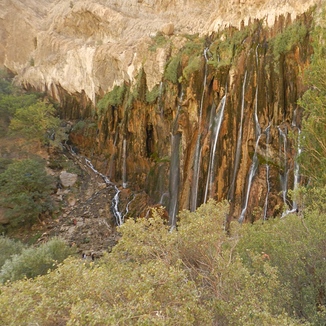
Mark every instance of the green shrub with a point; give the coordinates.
(151, 96)
(113, 98)
(192, 276)
(25, 190)
(35, 121)
(284, 41)
(32, 262)
(194, 64)
(158, 41)
(171, 70)
(9, 248)
(296, 246)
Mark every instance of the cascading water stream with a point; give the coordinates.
(197, 157)
(115, 201)
(127, 207)
(267, 132)
(297, 171)
(239, 141)
(284, 175)
(124, 163)
(174, 178)
(296, 178)
(254, 164)
(216, 126)
(252, 172)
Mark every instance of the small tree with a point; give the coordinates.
(35, 121)
(25, 189)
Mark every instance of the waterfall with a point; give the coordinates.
(254, 164)
(296, 177)
(239, 140)
(284, 175)
(174, 179)
(197, 157)
(297, 171)
(252, 172)
(124, 163)
(195, 178)
(267, 193)
(267, 175)
(115, 201)
(216, 126)
(175, 121)
(127, 207)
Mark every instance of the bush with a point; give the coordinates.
(25, 190)
(9, 248)
(194, 64)
(292, 35)
(296, 246)
(171, 70)
(192, 276)
(113, 98)
(34, 121)
(158, 41)
(32, 262)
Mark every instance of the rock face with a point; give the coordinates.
(88, 46)
(189, 117)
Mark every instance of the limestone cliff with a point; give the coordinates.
(90, 46)
(202, 94)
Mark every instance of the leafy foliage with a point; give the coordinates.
(192, 276)
(171, 70)
(225, 48)
(9, 248)
(158, 41)
(292, 35)
(151, 96)
(11, 99)
(313, 136)
(194, 64)
(25, 190)
(296, 247)
(35, 121)
(31, 262)
(5, 84)
(113, 98)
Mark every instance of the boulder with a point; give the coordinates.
(68, 179)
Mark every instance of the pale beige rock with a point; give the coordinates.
(88, 45)
(68, 179)
(168, 29)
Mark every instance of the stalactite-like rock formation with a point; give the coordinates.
(182, 116)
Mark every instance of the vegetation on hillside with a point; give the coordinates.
(25, 190)
(25, 187)
(271, 273)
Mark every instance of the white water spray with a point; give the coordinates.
(216, 126)
(197, 157)
(239, 140)
(124, 163)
